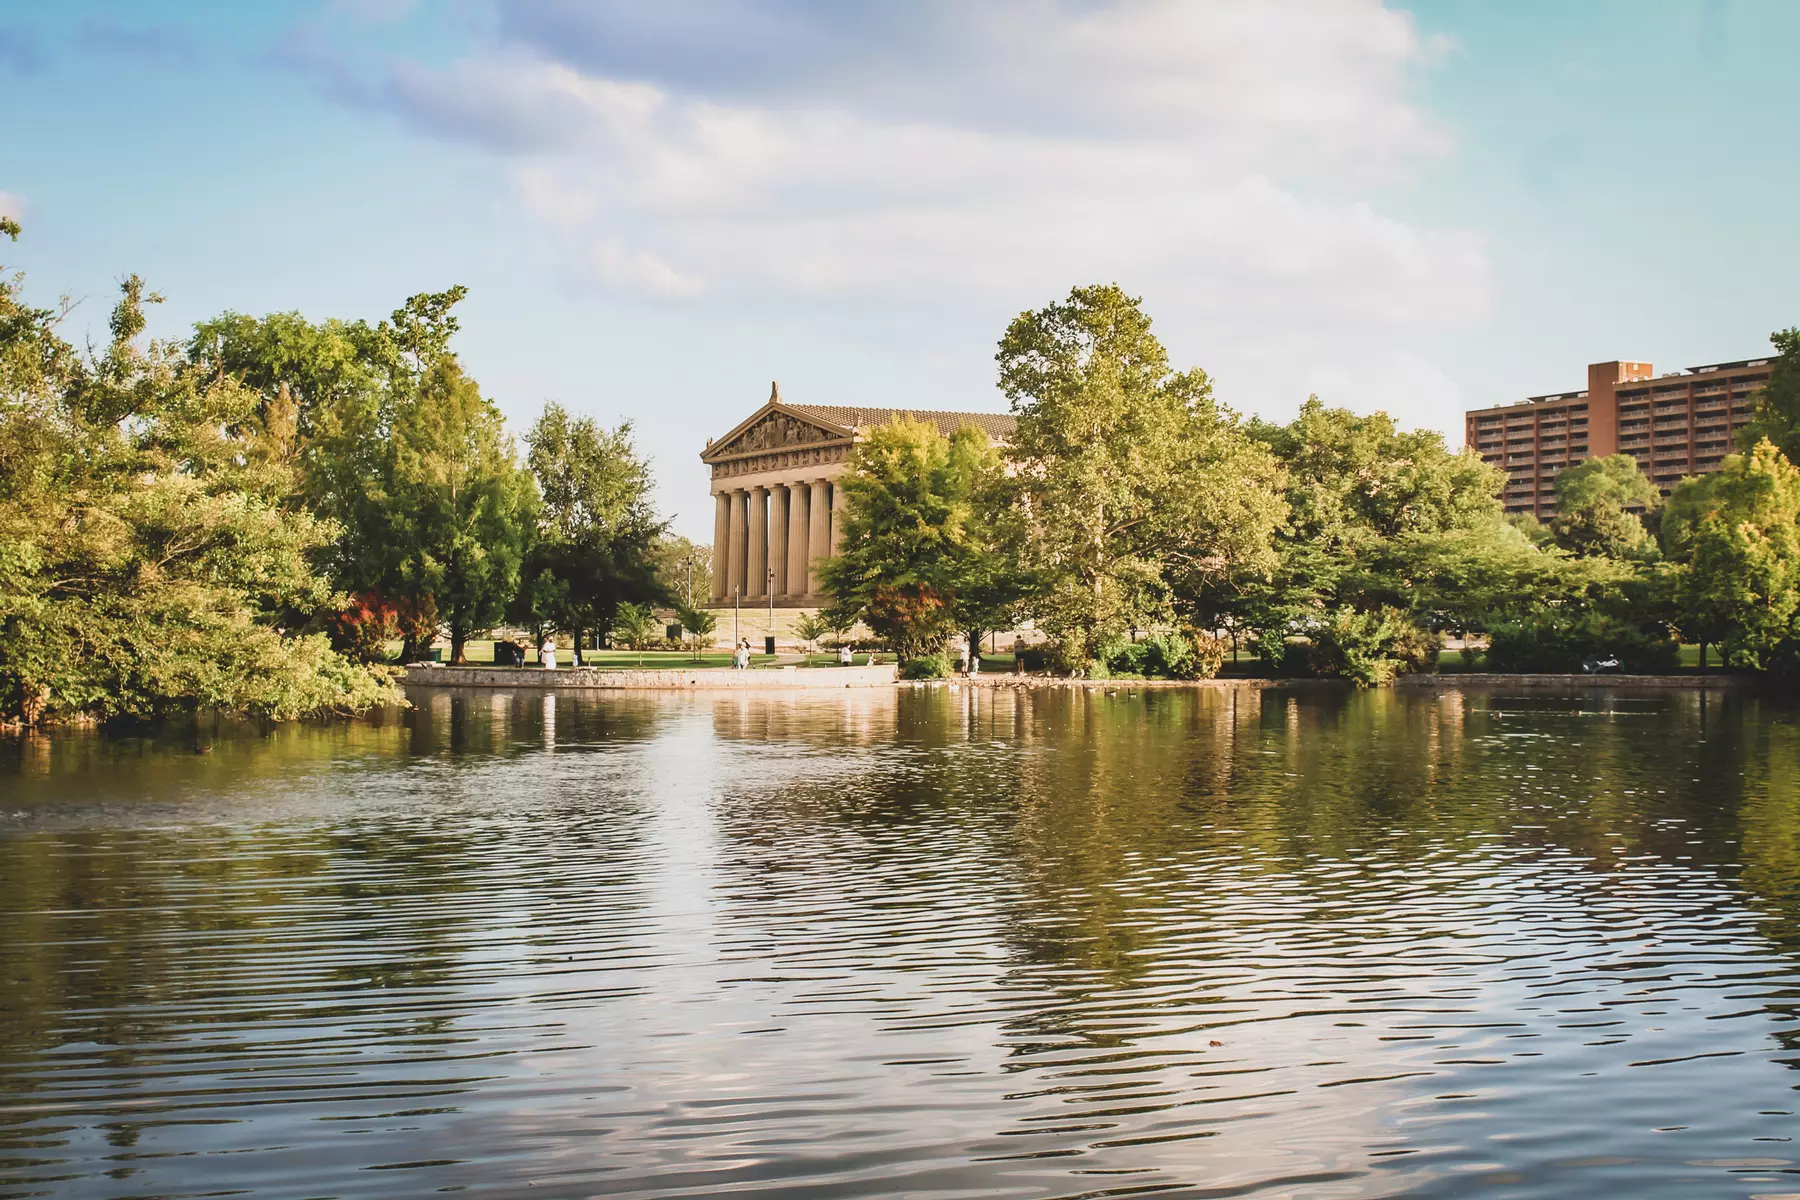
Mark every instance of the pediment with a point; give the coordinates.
(775, 427)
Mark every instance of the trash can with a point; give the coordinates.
(769, 645)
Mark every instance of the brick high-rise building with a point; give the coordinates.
(1675, 425)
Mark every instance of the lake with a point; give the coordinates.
(930, 943)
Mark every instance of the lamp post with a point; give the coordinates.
(770, 584)
(736, 605)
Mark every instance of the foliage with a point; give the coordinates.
(364, 628)
(683, 567)
(935, 665)
(1136, 487)
(1558, 641)
(698, 622)
(1370, 647)
(810, 627)
(1594, 503)
(597, 539)
(635, 625)
(1371, 510)
(1169, 655)
(460, 508)
(150, 562)
(1777, 415)
(1741, 584)
(919, 559)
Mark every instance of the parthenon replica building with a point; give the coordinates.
(776, 512)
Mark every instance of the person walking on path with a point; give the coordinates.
(843, 656)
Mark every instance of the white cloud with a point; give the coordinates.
(12, 205)
(1000, 149)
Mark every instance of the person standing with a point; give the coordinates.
(547, 653)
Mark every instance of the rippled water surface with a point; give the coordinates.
(933, 944)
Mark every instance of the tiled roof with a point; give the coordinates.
(998, 426)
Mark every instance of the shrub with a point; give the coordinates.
(1370, 648)
(1190, 655)
(1033, 658)
(926, 666)
(1561, 642)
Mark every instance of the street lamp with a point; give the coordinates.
(771, 586)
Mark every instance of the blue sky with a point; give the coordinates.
(660, 207)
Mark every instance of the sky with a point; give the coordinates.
(658, 208)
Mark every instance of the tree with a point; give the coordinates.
(916, 560)
(459, 509)
(597, 537)
(1741, 587)
(1777, 415)
(683, 567)
(698, 622)
(150, 563)
(1135, 485)
(811, 627)
(634, 624)
(1595, 499)
(1372, 511)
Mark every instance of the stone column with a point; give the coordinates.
(778, 535)
(721, 558)
(797, 539)
(757, 571)
(819, 541)
(734, 584)
(837, 520)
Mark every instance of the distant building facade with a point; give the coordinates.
(1675, 425)
(776, 510)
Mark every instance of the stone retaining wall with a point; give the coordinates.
(666, 679)
(1475, 679)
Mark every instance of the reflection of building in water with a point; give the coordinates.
(776, 508)
(549, 708)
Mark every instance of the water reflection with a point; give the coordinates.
(959, 942)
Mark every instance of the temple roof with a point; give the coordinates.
(998, 426)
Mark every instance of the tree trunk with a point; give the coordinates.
(575, 635)
(459, 637)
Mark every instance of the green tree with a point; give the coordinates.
(1595, 503)
(810, 627)
(1777, 415)
(1741, 587)
(597, 539)
(917, 559)
(150, 563)
(634, 624)
(699, 624)
(683, 567)
(1372, 512)
(1136, 486)
(459, 509)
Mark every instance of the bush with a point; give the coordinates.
(1556, 642)
(1033, 658)
(1370, 648)
(926, 666)
(1190, 655)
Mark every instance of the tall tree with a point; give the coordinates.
(597, 536)
(1741, 584)
(919, 558)
(1357, 488)
(459, 510)
(1777, 416)
(1597, 506)
(1131, 475)
(149, 561)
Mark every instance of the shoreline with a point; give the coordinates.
(785, 679)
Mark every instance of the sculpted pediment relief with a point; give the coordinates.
(776, 431)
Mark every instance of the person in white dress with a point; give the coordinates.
(547, 653)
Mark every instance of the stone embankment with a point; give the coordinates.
(664, 679)
(1597, 682)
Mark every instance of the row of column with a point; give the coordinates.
(771, 537)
